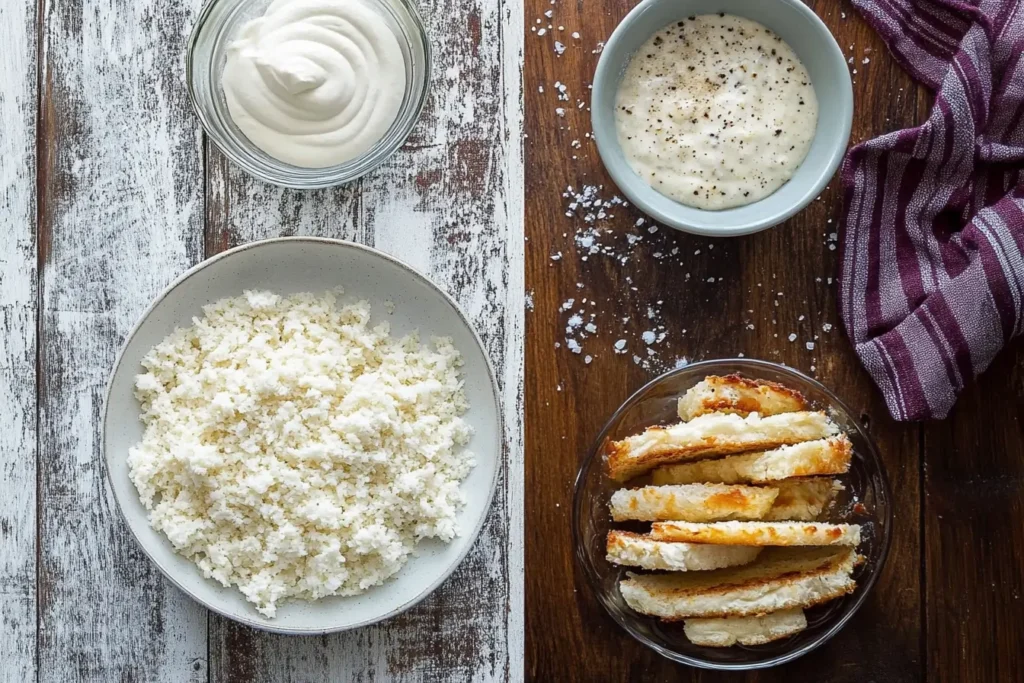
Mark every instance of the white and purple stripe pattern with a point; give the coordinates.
(932, 271)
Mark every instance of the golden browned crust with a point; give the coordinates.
(827, 565)
(839, 592)
(623, 466)
(790, 495)
(694, 502)
(763, 384)
(616, 538)
(765, 534)
(802, 499)
(754, 396)
(733, 499)
(833, 458)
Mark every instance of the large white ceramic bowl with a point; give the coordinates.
(297, 264)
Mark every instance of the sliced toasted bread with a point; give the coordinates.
(713, 434)
(821, 456)
(757, 533)
(635, 550)
(692, 502)
(723, 632)
(801, 499)
(737, 394)
(781, 578)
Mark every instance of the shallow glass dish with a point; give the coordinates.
(217, 26)
(655, 404)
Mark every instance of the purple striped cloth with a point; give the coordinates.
(931, 272)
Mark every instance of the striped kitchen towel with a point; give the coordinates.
(931, 271)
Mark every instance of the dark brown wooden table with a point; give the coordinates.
(950, 603)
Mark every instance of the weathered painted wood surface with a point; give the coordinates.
(450, 204)
(121, 192)
(17, 342)
(130, 194)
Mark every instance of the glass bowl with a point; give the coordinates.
(219, 23)
(655, 404)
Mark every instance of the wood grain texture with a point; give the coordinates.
(449, 203)
(974, 530)
(120, 180)
(716, 298)
(17, 341)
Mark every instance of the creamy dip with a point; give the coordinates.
(715, 111)
(315, 83)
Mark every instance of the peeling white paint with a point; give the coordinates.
(18, 450)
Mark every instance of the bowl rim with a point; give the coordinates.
(327, 176)
(472, 537)
(622, 173)
(864, 587)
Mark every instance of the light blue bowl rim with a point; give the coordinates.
(710, 223)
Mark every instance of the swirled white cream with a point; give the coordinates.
(715, 112)
(315, 83)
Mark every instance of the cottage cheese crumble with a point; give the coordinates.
(294, 451)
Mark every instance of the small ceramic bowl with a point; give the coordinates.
(217, 26)
(307, 264)
(798, 26)
(866, 501)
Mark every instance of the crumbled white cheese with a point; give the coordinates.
(295, 451)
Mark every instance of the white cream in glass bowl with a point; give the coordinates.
(308, 93)
(315, 83)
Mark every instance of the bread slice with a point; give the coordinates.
(723, 632)
(821, 456)
(713, 434)
(781, 578)
(692, 502)
(757, 533)
(737, 394)
(635, 550)
(801, 499)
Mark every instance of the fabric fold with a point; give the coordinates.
(931, 270)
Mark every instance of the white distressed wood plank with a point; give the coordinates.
(122, 182)
(240, 209)
(512, 17)
(462, 196)
(17, 341)
(449, 203)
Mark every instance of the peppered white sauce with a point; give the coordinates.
(715, 111)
